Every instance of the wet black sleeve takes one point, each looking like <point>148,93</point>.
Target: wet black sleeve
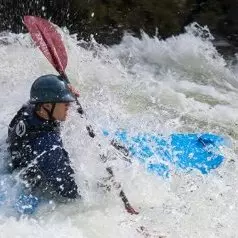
<point>55,167</point>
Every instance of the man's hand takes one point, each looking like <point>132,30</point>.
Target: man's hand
<point>73,90</point>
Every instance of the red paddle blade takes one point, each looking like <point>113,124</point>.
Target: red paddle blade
<point>46,37</point>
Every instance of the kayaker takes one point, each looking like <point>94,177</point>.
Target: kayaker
<point>35,145</point>
<point>34,140</point>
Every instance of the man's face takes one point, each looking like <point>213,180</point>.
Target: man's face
<point>61,111</point>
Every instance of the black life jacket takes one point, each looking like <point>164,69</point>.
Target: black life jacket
<point>25,127</point>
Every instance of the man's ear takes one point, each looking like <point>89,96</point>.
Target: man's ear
<point>47,106</point>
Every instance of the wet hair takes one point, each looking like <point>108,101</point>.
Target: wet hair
<point>49,112</point>
<point>38,106</point>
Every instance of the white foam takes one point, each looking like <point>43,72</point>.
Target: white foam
<point>180,84</point>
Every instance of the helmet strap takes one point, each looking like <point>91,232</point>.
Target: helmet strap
<point>50,112</point>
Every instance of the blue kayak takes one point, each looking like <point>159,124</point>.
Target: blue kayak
<point>13,201</point>
<point>160,155</point>
<point>184,152</point>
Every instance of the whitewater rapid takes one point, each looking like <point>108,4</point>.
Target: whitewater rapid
<point>181,84</point>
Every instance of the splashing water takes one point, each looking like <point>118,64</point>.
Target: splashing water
<point>180,84</point>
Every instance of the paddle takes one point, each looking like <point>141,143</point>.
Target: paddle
<point>46,37</point>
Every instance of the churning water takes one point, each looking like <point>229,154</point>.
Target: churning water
<point>181,84</point>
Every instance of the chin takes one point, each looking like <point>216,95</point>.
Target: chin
<point>61,119</point>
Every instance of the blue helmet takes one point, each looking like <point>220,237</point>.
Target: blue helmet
<point>50,89</point>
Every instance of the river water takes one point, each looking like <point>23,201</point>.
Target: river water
<point>181,84</point>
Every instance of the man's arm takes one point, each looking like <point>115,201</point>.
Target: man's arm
<point>56,170</point>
